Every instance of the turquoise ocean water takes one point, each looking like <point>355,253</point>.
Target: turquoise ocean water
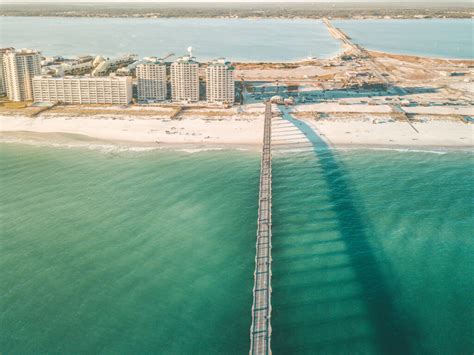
<point>153,251</point>
<point>446,38</point>
<point>126,252</point>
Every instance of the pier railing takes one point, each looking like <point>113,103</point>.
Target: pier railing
<point>261,329</point>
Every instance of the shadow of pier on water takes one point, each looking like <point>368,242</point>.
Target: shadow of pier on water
<point>330,294</point>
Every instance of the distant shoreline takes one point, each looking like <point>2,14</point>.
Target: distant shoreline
<point>287,61</point>
<point>420,57</point>
<point>296,10</point>
<point>282,17</point>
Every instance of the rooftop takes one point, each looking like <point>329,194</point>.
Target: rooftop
<point>150,61</point>
<point>187,59</point>
<point>82,77</point>
<point>22,51</point>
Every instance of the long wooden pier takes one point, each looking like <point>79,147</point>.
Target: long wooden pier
<point>261,329</point>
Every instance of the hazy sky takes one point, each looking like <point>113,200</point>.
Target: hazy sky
<point>329,1</point>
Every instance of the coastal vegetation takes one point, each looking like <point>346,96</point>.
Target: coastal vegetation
<point>242,10</point>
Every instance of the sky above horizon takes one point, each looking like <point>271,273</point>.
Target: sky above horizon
<point>224,1</point>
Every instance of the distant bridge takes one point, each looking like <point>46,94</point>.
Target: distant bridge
<point>261,329</point>
<point>374,65</point>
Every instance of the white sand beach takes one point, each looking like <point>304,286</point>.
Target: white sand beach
<point>248,132</point>
<point>443,134</point>
<point>166,131</point>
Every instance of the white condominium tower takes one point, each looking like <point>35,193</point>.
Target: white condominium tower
<point>20,67</point>
<point>220,85</point>
<point>152,81</point>
<point>185,79</point>
<point>3,81</point>
<point>83,89</point>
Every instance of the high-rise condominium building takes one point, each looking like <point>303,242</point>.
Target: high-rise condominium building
<point>185,79</point>
<point>220,86</point>
<point>3,81</point>
<point>151,81</point>
<point>20,67</point>
<point>83,89</point>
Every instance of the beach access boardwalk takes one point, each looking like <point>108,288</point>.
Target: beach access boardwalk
<point>261,329</point>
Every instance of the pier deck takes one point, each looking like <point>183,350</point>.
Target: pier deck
<point>260,331</point>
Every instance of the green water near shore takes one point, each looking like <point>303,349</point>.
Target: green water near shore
<point>126,252</point>
<point>382,262</point>
<point>153,252</point>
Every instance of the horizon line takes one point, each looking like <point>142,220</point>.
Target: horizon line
<point>372,2</point>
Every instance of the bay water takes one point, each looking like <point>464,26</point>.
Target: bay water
<point>257,40</point>
<point>444,38</point>
<point>124,251</point>
<point>237,39</point>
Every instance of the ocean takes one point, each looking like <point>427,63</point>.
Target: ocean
<point>152,251</point>
<point>445,38</point>
<point>273,40</point>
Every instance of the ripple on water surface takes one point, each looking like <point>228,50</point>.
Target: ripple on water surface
<point>371,252</point>
<point>137,252</point>
<point>126,252</point>
<point>236,39</point>
<point>443,38</point>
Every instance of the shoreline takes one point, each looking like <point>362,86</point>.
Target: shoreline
<point>230,133</point>
<point>342,50</point>
<point>417,56</point>
<point>80,141</point>
<point>130,128</point>
<point>64,141</point>
<point>331,56</point>
<point>253,18</point>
